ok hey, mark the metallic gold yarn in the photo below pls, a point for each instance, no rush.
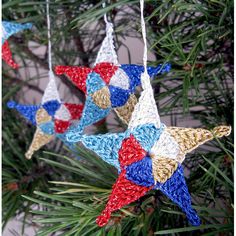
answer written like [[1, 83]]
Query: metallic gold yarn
[[125, 112], [163, 168], [221, 131], [42, 116], [39, 140], [102, 98], [190, 138]]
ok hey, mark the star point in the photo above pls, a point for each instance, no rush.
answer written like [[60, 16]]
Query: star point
[[8, 29]]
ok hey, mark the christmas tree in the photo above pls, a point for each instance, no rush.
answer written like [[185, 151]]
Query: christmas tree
[[62, 191]]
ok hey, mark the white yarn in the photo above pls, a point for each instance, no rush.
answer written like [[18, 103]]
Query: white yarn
[[49, 42], [105, 15], [166, 146], [146, 79], [51, 92], [120, 79], [145, 111], [63, 113], [107, 51]]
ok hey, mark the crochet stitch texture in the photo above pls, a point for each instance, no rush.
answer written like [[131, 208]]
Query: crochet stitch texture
[[108, 85], [148, 155], [8, 29]]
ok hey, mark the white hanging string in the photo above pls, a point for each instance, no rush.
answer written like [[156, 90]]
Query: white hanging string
[[145, 111], [107, 50], [51, 75], [145, 80], [51, 92], [105, 14]]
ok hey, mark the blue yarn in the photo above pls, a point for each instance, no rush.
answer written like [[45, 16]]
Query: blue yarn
[[106, 146], [11, 104], [119, 96], [165, 68], [74, 135], [134, 73], [47, 127], [11, 28], [147, 135], [176, 189], [62, 137], [94, 82], [140, 172], [27, 111], [91, 114], [51, 106]]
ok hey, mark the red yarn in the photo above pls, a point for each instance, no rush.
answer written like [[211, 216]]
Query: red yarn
[[7, 56], [130, 151], [76, 74], [61, 126], [106, 70], [123, 193], [75, 110]]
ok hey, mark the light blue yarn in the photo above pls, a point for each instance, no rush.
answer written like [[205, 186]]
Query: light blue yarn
[[94, 82], [91, 114], [13, 28], [62, 137], [47, 128], [105, 146], [147, 135]]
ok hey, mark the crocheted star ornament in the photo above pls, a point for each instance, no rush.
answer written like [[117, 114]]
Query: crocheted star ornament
[[108, 84], [8, 29], [52, 118], [148, 155]]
